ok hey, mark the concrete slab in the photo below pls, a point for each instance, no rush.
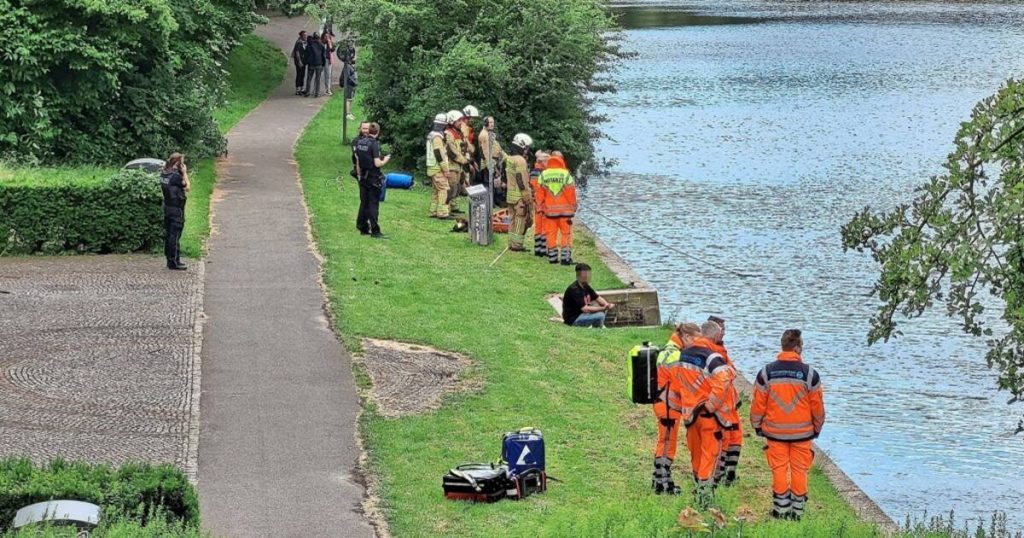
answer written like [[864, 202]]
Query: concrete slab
[[277, 452]]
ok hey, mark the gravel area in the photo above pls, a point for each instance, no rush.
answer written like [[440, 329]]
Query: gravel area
[[99, 359]]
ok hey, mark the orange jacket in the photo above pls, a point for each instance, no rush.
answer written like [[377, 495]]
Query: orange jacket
[[788, 401], [534, 176], [732, 396], [557, 190], [698, 380]]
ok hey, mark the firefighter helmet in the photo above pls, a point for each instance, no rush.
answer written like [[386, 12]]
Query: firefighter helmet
[[522, 140], [471, 111], [441, 118], [454, 116]]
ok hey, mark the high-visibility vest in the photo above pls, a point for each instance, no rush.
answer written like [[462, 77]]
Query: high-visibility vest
[[558, 193], [698, 379], [434, 167], [788, 400]]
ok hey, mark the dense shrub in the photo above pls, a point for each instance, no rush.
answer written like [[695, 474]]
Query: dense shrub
[[531, 64], [136, 492], [119, 213], [103, 82]]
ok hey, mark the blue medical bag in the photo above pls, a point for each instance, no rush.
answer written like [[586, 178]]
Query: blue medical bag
[[522, 451]]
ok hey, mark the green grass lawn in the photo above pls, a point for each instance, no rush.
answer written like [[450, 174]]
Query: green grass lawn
[[429, 286]]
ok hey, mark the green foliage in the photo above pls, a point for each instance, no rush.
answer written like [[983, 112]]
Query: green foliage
[[104, 82], [109, 528], [530, 64], [118, 213], [426, 285], [136, 492], [960, 237]]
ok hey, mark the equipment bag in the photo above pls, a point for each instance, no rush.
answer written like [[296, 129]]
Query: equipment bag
[[477, 482], [527, 483], [643, 373], [523, 451]]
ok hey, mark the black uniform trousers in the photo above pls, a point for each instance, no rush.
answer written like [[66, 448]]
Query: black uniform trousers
[[369, 209], [174, 223]]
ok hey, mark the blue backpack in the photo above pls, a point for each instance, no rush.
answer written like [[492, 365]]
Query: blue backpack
[[523, 451]]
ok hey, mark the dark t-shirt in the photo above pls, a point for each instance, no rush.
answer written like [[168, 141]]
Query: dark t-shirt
[[575, 298], [365, 150], [173, 186]]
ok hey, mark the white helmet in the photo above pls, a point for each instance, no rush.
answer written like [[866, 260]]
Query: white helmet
[[522, 140], [471, 111], [441, 118], [454, 116]]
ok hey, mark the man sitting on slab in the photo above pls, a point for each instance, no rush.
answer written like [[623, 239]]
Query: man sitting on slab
[[581, 305]]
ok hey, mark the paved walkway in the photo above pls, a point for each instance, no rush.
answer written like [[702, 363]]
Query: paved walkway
[[277, 452], [99, 359]]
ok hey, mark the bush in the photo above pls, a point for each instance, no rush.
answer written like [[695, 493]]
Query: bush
[[104, 82], [136, 492], [530, 64], [118, 213]]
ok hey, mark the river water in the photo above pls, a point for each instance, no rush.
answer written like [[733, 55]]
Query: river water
[[747, 132]]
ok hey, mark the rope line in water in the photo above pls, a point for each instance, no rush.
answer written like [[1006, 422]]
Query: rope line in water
[[698, 259]]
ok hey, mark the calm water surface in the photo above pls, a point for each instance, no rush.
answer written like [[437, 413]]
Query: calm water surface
[[748, 132]]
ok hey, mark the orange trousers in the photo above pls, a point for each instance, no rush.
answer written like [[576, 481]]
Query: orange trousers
[[668, 436], [704, 439], [558, 233], [790, 463]]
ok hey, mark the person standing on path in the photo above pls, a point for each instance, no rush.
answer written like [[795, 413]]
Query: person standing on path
[[174, 184], [368, 162], [789, 411], [299, 59], [315, 59], [328, 40]]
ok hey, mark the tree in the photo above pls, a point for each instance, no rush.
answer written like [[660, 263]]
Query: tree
[[962, 235], [530, 64]]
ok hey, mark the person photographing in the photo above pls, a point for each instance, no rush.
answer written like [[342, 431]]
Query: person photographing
[[368, 161], [581, 305], [175, 185]]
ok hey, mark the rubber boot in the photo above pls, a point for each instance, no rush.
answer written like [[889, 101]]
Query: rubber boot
[[662, 478], [782, 505]]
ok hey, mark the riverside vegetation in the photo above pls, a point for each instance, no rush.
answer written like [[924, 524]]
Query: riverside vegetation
[[124, 212]]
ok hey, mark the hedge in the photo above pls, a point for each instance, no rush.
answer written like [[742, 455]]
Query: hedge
[[135, 492], [116, 214]]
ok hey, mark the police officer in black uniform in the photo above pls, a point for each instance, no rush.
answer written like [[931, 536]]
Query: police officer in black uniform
[[174, 184], [368, 161]]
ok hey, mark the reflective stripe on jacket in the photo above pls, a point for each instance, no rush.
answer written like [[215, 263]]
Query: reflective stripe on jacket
[[732, 396], [697, 382], [788, 400], [455, 145], [557, 190], [435, 141]]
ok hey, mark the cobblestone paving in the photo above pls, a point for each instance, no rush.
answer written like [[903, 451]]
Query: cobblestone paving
[[99, 359]]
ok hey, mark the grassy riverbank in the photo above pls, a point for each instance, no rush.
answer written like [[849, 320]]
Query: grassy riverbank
[[429, 286]]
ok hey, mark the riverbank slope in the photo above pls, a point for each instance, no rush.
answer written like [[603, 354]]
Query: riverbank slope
[[426, 285]]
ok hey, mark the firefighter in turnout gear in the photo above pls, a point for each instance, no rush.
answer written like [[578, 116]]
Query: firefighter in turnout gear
[[437, 168], [469, 112], [732, 441], [458, 158], [789, 411], [558, 204], [698, 381], [540, 240], [668, 417], [519, 197]]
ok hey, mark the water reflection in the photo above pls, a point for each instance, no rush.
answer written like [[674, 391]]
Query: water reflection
[[762, 139]]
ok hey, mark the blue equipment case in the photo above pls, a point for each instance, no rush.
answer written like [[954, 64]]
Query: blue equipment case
[[523, 451]]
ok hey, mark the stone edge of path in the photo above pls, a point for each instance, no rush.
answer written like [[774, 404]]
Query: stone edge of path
[[371, 505], [865, 508], [191, 461]]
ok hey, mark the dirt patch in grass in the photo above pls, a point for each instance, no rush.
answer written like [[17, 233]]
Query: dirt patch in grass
[[410, 379]]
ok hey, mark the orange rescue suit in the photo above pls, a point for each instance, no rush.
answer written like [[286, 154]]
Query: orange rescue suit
[[540, 241], [732, 439], [697, 390], [789, 410]]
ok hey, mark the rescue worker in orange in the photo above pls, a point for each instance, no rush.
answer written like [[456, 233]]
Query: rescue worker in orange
[[732, 438], [789, 411], [558, 205], [698, 381], [668, 417], [540, 241]]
